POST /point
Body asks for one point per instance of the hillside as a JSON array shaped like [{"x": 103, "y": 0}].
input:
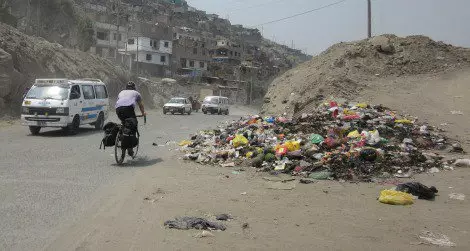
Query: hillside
[
  {"x": 24, "y": 58},
  {"x": 347, "y": 70}
]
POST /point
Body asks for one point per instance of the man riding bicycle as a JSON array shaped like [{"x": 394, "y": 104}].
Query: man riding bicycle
[{"x": 125, "y": 106}]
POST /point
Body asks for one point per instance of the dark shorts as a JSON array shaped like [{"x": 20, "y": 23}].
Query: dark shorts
[{"x": 126, "y": 112}]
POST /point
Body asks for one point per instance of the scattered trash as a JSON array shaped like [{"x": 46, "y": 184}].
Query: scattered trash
[
  {"x": 322, "y": 175},
  {"x": 185, "y": 223},
  {"x": 223, "y": 217},
  {"x": 418, "y": 189},
  {"x": 235, "y": 172},
  {"x": 244, "y": 193},
  {"x": 245, "y": 225},
  {"x": 434, "y": 170},
  {"x": 338, "y": 141},
  {"x": 436, "y": 239},
  {"x": 393, "y": 197},
  {"x": 306, "y": 181},
  {"x": 456, "y": 112},
  {"x": 457, "y": 196},
  {"x": 204, "y": 234},
  {"x": 462, "y": 163}
]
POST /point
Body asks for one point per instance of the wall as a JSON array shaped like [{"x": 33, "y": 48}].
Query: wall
[
  {"x": 155, "y": 58},
  {"x": 144, "y": 45}
]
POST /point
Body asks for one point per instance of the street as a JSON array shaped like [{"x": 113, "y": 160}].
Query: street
[
  {"x": 63, "y": 193},
  {"x": 49, "y": 180}
]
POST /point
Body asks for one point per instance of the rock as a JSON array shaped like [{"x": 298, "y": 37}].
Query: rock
[{"x": 382, "y": 44}]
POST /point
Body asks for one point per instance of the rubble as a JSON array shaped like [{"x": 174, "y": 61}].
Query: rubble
[{"x": 338, "y": 141}]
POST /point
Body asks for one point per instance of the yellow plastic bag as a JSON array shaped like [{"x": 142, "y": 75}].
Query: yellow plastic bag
[
  {"x": 403, "y": 121},
  {"x": 354, "y": 134},
  {"x": 361, "y": 105},
  {"x": 292, "y": 146},
  {"x": 185, "y": 143},
  {"x": 393, "y": 197},
  {"x": 239, "y": 140},
  {"x": 249, "y": 155}
]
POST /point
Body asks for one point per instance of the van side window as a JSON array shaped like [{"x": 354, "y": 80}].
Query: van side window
[
  {"x": 75, "y": 92},
  {"x": 88, "y": 92},
  {"x": 101, "y": 92}
]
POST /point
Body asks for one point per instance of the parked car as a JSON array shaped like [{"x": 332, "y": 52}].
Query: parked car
[
  {"x": 215, "y": 104},
  {"x": 178, "y": 105}
]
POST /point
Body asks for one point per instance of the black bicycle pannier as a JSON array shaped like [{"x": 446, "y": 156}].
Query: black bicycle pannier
[
  {"x": 110, "y": 133},
  {"x": 129, "y": 133}
]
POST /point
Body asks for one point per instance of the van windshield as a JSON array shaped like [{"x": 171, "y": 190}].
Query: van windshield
[
  {"x": 211, "y": 100},
  {"x": 48, "y": 92}
]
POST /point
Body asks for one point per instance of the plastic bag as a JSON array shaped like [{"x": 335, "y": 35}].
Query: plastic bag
[
  {"x": 393, "y": 197},
  {"x": 185, "y": 143},
  {"x": 403, "y": 121},
  {"x": 316, "y": 139},
  {"x": 239, "y": 140},
  {"x": 292, "y": 146},
  {"x": 361, "y": 105},
  {"x": 354, "y": 134}
]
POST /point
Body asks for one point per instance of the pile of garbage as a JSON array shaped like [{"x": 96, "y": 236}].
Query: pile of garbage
[{"x": 338, "y": 141}]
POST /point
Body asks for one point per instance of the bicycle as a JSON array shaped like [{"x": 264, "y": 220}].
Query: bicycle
[{"x": 118, "y": 150}]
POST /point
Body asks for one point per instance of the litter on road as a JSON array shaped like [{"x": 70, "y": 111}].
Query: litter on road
[
  {"x": 185, "y": 223},
  {"x": 356, "y": 142}
]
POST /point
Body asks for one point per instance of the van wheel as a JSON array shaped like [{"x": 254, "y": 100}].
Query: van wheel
[
  {"x": 73, "y": 128},
  {"x": 226, "y": 112},
  {"x": 34, "y": 130},
  {"x": 189, "y": 113},
  {"x": 219, "y": 112},
  {"x": 99, "y": 122}
]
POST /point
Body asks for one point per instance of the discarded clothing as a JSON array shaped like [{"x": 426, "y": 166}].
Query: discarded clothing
[
  {"x": 223, "y": 217},
  {"x": 185, "y": 223},
  {"x": 418, "y": 189}
]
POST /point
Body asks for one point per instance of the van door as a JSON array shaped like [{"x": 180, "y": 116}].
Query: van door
[
  {"x": 89, "y": 114},
  {"x": 75, "y": 102},
  {"x": 102, "y": 102}
]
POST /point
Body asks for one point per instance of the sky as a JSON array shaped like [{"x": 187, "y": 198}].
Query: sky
[{"x": 442, "y": 20}]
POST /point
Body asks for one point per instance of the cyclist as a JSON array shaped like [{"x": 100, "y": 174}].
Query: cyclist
[{"x": 125, "y": 105}]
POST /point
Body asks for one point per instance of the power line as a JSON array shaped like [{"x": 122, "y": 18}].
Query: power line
[
  {"x": 257, "y": 5},
  {"x": 303, "y": 13}
]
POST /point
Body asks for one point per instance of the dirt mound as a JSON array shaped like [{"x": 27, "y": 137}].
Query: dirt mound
[
  {"x": 342, "y": 70},
  {"x": 24, "y": 58}
]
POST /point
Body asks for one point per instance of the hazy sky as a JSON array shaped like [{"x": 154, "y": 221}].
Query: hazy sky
[{"x": 446, "y": 20}]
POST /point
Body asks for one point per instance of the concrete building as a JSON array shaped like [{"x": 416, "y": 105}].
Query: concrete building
[
  {"x": 227, "y": 51},
  {"x": 149, "y": 48}
]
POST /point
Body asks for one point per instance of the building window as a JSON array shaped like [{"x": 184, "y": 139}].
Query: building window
[
  {"x": 101, "y": 35},
  {"x": 191, "y": 63},
  {"x": 148, "y": 57},
  {"x": 167, "y": 44},
  {"x": 201, "y": 64},
  {"x": 183, "y": 63},
  {"x": 163, "y": 59},
  {"x": 194, "y": 51},
  {"x": 130, "y": 41},
  {"x": 175, "y": 35}
]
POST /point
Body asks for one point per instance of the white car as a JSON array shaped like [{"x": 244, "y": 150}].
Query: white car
[{"x": 178, "y": 105}]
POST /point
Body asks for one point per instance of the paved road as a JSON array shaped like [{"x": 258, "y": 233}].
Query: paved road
[{"x": 47, "y": 181}]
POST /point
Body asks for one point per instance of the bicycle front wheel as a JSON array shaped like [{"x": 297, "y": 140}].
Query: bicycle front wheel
[{"x": 119, "y": 152}]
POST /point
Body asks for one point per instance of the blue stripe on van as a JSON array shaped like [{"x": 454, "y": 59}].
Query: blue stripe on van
[{"x": 94, "y": 108}]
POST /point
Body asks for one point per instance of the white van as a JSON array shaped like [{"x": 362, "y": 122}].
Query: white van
[
  {"x": 215, "y": 104},
  {"x": 65, "y": 103}
]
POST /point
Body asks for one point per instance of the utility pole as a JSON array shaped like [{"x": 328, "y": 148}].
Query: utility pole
[
  {"x": 137, "y": 56},
  {"x": 369, "y": 19}
]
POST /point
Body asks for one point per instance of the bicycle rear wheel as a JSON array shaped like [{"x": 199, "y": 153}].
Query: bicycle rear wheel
[{"x": 119, "y": 153}]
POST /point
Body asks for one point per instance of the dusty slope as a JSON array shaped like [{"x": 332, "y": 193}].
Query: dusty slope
[
  {"x": 344, "y": 68},
  {"x": 24, "y": 58}
]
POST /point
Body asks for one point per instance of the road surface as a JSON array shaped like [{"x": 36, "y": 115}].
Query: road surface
[{"x": 47, "y": 181}]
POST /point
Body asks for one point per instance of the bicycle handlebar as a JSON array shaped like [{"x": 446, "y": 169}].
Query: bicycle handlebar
[{"x": 144, "y": 116}]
